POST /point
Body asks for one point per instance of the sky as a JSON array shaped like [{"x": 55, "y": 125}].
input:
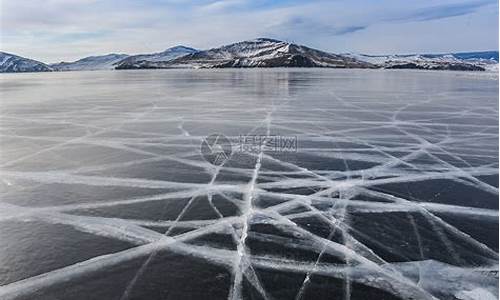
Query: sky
[{"x": 66, "y": 30}]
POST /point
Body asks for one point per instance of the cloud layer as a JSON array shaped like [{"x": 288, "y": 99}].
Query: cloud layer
[{"x": 55, "y": 30}]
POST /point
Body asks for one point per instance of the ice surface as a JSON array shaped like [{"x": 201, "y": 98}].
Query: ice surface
[{"x": 392, "y": 193}]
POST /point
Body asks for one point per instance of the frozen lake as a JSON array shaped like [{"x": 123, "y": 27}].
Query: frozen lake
[{"x": 389, "y": 189}]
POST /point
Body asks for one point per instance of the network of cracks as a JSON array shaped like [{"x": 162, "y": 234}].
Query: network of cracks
[{"x": 380, "y": 200}]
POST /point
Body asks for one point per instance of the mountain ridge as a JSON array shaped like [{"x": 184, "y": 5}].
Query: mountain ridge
[
  {"x": 141, "y": 60},
  {"x": 90, "y": 63},
  {"x": 470, "y": 61},
  {"x": 11, "y": 63},
  {"x": 263, "y": 52},
  {"x": 258, "y": 53}
]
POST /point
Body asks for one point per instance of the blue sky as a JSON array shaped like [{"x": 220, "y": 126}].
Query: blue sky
[{"x": 55, "y": 30}]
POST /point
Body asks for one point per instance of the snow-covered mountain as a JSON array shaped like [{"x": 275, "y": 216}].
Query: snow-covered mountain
[
  {"x": 91, "y": 63},
  {"x": 471, "y": 61},
  {"x": 481, "y": 55},
  {"x": 262, "y": 52},
  {"x": 13, "y": 63},
  {"x": 147, "y": 61}
]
